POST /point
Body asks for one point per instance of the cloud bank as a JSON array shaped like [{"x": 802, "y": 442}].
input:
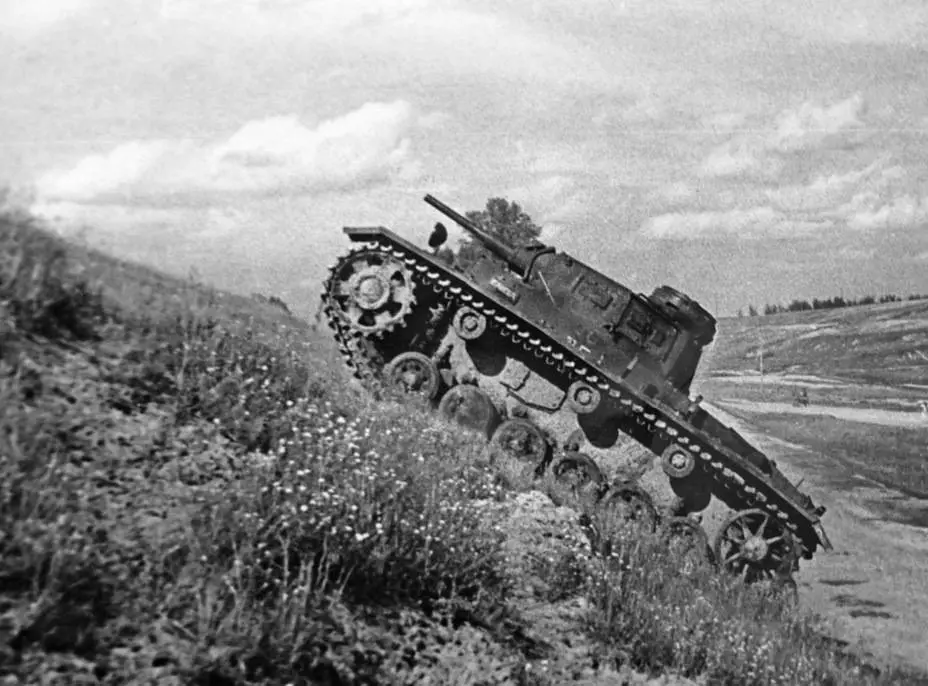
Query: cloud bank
[
  {"x": 781, "y": 195},
  {"x": 808, "y": 127},
  {"x": 276, "y": 155}
]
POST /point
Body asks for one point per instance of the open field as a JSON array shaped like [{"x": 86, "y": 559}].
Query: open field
[
  {"x": 877, "y": 345},
  {"x": 192, "y": 493}
]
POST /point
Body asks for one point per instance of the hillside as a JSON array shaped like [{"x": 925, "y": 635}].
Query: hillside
[{"x": 191, "y": 492}]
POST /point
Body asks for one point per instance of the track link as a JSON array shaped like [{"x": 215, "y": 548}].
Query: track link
[{"x": 747, "y": 486}]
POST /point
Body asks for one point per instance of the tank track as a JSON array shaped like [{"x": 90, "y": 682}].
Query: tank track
[{"x": 749, "y": 488}]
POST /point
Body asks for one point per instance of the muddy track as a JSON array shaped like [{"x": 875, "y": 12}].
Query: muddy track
[
  {"x": 872, "y": 588},
  {"x": 736, "y": 482}
]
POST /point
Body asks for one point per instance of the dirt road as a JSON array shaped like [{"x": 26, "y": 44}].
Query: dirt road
[
  {"x": 853, "y": 414},
  {"x": 873, "y": 587}
]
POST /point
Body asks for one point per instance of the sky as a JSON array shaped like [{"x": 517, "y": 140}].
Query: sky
[{"x": 743, "y": 151}]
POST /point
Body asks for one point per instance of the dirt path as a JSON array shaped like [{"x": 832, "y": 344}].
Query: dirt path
[
  {"x": 854, "y": 414},
  {"x": 873, "y": 586}
]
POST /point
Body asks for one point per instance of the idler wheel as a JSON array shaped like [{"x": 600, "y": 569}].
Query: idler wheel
[
  {"x": 753, "y": 545},
  {"x": 372, "y": 291},
  {"x": 630, "y": 506},
  {"x": 677, "y": 462},
  {"x": 686, "y": 537},
  {"x": 577, "y": 470},
  {"x": 469, "y": 407},
  {"x": 582, "y": 398},
  {"x": 521, "y": 439},
  {"x": 469, "y": 324},
  {"x": 413, "y": 372}
]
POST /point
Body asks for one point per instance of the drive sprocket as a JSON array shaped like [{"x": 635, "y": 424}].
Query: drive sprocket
[{"x": 371, "y": 292}]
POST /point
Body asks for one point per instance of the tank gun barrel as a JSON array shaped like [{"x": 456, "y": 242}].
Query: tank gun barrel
[
  {"x": 499, "y": 248},
  {"x": 519, "y": 259}
]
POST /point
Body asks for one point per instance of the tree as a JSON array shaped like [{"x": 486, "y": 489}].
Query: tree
[
  {"x": 502, "y": 219},
  {"x": 752, "y": 311}
]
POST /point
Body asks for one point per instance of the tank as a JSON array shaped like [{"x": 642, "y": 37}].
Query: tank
[{"x": 554, "y": 361}]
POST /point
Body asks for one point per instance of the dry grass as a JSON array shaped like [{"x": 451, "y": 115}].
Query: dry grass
[{"x": 191, "y": 494}]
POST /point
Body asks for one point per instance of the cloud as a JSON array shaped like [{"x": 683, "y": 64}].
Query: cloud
[
  {"x": 268, "y": 156},
  {"x": 740, "y": 157},
  {"x": 828, "y": 191},
  {"x": 866, "y": 213},
  {"x": 553, "y": 199},
  {"x": 810, "y": 125},
  {"x": 674, "y": 194},
  {"x": 805, "y": 128},
  {"x": 752, "y": 223},
  {"x": 19, "y": 17}
]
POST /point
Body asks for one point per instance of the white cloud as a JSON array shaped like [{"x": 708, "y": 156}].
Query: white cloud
[
  {"x": 553, "y": 199},
  {"x": 865, "y": 213},
  {"x": 739, "y": 157},
  {"x": 808, "y": 127},
  {"x": 19, "y": 17},
  {"x": 826, "y": 192},
  {"x": 675, "y": 193},
  {"x": 273, "y": 155},
  {"x": 754, "y": 222}
]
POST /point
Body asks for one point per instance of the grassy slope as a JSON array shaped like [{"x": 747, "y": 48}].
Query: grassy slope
[{"x": 190, "y": 493}]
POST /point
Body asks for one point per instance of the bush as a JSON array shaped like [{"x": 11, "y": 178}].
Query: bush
[{"x": 39, "y": 290}]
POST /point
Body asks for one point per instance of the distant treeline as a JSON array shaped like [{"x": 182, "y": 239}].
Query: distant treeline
[{"x": 830, "y": 304}]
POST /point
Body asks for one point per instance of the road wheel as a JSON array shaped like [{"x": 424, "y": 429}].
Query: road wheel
[
  {"x": 577, "y": 470},
  {"x": 521, "y": 439},
  {"x": 471, "y": 408},
  {"x": 753, "y": 545},
  {"x": 413, "y": 372}
]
